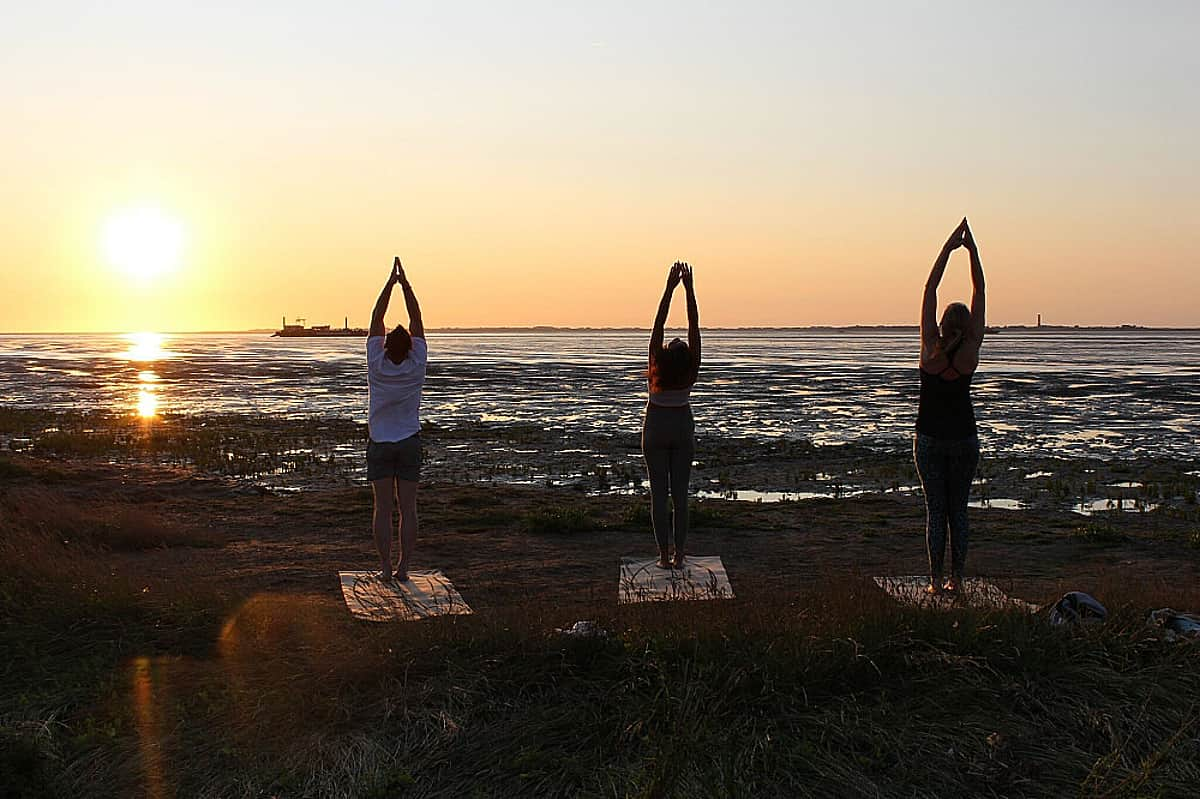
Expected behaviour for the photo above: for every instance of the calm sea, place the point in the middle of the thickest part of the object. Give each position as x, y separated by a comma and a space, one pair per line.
1127, 393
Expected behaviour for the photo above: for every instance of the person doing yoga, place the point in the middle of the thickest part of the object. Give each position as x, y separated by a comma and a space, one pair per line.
667, 432
946, 446
396, 363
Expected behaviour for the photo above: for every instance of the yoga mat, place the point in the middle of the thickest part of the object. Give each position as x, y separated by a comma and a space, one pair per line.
974, 592
425, 594
700, 578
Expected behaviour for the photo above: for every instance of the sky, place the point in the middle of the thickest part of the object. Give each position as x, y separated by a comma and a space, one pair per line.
545, 163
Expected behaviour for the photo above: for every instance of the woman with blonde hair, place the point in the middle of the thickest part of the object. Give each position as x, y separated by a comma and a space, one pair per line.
946, 446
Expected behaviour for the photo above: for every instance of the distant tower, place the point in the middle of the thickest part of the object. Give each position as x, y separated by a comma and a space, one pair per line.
1039, 320
284, 323
346, 326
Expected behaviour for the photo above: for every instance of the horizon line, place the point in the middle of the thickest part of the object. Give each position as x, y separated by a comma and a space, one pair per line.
622, 328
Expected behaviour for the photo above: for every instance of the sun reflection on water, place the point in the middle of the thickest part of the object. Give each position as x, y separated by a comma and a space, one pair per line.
147, 399
147, 404
145, 346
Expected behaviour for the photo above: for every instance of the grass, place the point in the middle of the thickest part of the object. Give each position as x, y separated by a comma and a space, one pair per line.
107, 525
236, 445
566, 520
832, 691
1098, 531
116, 685
10, 470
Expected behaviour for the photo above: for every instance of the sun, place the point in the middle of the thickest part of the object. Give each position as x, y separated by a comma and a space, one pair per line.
145, 242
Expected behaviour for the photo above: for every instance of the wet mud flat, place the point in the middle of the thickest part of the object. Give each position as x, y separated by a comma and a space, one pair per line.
289, 454
496, 539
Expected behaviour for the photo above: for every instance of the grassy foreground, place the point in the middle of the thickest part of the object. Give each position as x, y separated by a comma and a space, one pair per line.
117, 684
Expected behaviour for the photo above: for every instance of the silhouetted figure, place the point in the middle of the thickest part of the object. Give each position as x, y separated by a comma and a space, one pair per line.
395, 376
667, 432
946, 449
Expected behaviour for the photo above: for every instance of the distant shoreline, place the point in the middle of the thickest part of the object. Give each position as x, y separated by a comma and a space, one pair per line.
635, 329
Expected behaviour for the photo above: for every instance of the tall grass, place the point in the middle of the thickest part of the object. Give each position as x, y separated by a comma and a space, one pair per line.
106, 524
115, 686
834, 691
237, 445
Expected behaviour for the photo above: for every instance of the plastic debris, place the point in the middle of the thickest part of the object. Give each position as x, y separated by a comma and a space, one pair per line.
1176, 625
1077, 607
583, 629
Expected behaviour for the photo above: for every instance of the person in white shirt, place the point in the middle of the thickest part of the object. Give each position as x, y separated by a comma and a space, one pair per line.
395, 376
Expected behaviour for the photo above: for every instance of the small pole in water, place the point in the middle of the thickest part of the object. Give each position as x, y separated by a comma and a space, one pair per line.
1039, 320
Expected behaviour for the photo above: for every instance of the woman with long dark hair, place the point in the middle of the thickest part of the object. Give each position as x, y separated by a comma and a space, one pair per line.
667, 432
946, 448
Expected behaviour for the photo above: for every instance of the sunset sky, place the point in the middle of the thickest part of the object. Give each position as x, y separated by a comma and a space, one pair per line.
544, 163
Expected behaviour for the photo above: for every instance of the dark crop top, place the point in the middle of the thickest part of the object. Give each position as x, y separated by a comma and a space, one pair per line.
945, 410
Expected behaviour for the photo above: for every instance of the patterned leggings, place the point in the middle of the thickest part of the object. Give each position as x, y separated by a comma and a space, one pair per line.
946, 468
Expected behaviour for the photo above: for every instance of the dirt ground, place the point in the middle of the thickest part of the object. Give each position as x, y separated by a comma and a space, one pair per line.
487, 539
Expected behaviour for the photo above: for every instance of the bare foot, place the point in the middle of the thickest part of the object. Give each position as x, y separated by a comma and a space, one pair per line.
384, 577
677, 562
664, 559
952, 584
933, 587
402, 573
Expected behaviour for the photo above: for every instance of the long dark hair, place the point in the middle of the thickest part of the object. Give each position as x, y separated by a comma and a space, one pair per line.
397, 344
671, 367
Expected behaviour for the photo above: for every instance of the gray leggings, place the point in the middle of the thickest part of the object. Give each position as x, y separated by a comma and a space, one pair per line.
946, 468
668, 445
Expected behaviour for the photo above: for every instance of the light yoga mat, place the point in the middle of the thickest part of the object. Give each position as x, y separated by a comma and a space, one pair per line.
974, 593
425, 594
700, 578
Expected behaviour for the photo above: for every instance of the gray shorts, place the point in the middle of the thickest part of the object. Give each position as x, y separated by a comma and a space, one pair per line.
400, 459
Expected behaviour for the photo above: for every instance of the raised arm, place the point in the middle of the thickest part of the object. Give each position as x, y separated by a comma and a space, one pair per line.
929, 326
416, 327
377, 326
664, 307
978, 309
693, 317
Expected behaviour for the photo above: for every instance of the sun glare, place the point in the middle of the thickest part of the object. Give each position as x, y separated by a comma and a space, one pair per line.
147, 406
145, 347
147, 402
144, 242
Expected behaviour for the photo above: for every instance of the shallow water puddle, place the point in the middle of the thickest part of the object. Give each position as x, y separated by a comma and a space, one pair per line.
425, 594
998, 502
702, 577
974, 593
1092, 506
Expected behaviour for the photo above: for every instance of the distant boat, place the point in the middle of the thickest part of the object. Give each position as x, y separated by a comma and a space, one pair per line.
318, 331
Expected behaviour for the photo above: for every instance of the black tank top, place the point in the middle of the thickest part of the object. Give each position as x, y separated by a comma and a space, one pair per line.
945, 410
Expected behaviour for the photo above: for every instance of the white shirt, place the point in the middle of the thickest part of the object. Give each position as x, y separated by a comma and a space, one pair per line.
394, 390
